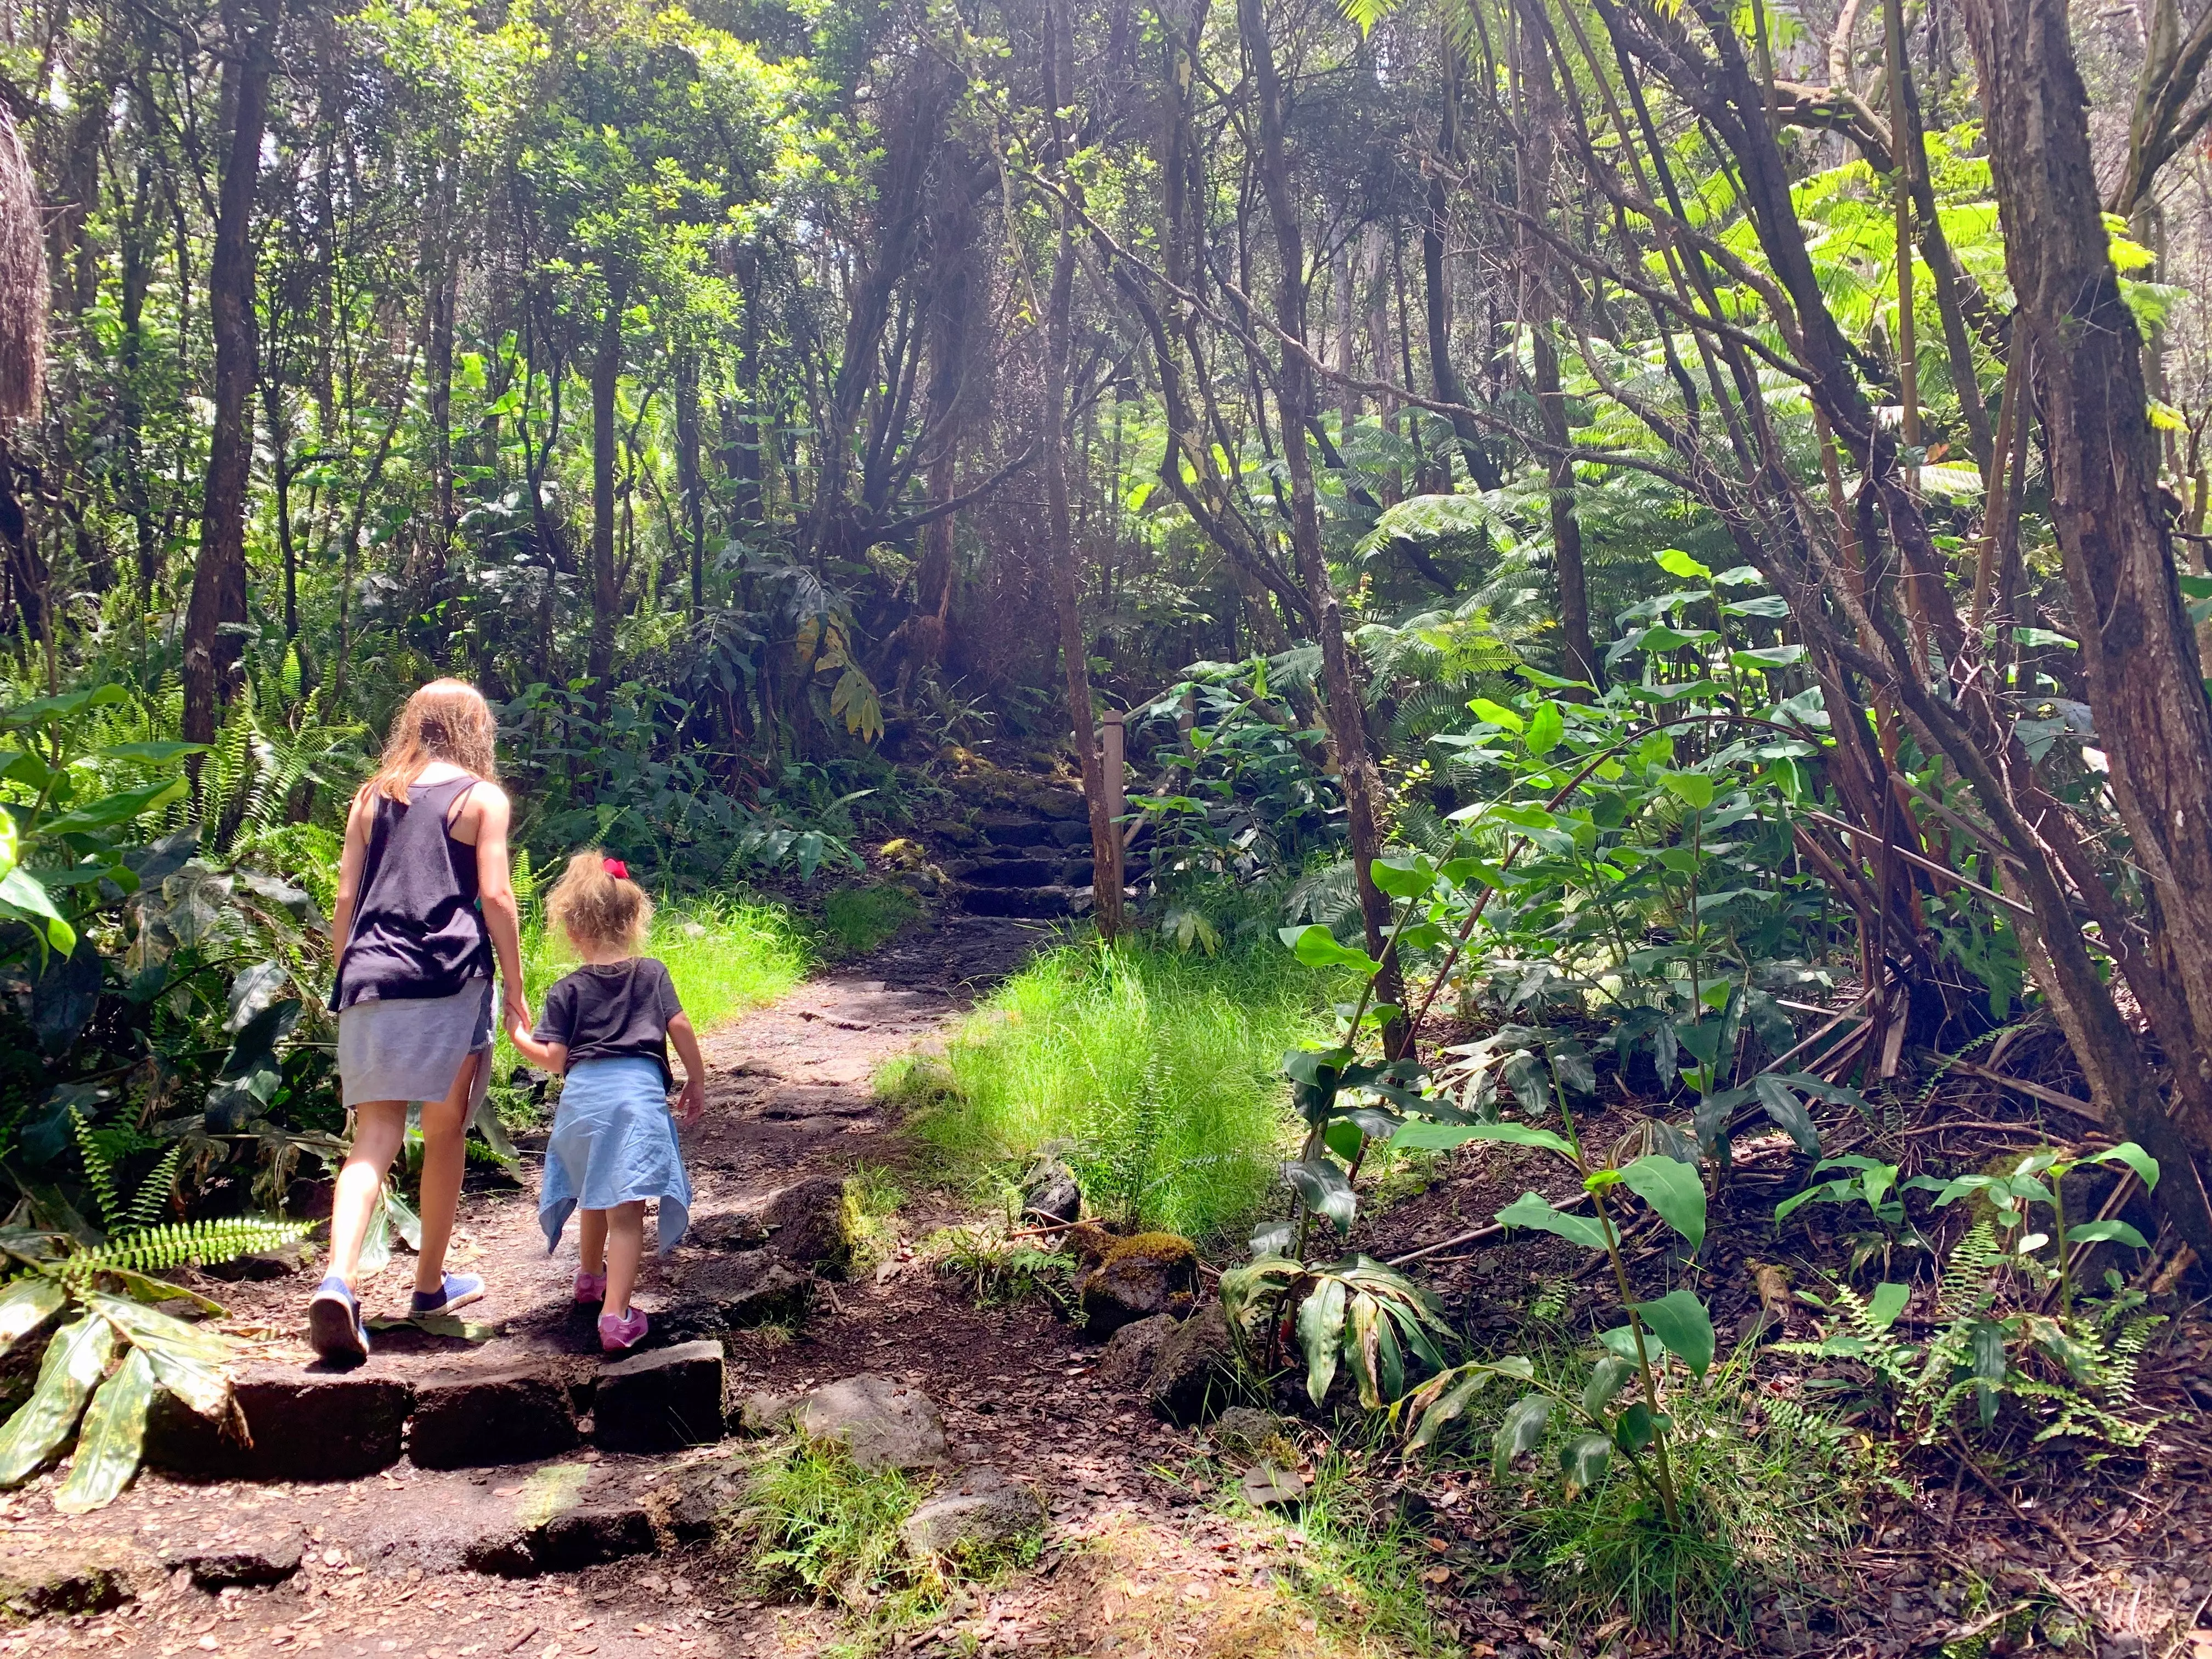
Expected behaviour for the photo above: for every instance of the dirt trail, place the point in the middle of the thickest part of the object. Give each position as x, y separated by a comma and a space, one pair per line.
383, 1573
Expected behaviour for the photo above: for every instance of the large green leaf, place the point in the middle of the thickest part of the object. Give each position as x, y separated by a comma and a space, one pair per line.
1534, 1210
187, 1360
113, 1438
2135, 1158
1607, 1379
1785, 1108
1321, 1334
1675, 1190
1316, 947
1683, 1326
1584, 1459
1520, 1431
1321, 1183
1440, 1137
76, 1359
26, 1305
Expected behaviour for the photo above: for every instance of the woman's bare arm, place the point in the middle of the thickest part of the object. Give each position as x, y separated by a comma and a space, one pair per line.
358, 818
496, 892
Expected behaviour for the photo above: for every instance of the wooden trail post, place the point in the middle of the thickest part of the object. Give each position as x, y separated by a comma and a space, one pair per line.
1115, 738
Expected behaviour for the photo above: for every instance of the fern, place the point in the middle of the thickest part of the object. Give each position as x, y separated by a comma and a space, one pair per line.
1966, 1276
99, 1171
157, 1249
153, 1193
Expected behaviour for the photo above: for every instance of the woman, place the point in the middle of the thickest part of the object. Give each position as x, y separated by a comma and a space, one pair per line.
425, 903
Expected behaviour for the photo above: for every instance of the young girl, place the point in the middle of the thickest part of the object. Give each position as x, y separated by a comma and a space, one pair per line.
606, 1026
425, 910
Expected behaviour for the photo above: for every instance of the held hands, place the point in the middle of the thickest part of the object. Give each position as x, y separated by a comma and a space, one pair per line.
691, 1101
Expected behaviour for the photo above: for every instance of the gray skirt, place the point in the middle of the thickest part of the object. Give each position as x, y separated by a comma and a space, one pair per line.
412, 1048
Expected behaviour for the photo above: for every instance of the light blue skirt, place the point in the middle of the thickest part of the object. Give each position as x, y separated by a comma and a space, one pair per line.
614, 1143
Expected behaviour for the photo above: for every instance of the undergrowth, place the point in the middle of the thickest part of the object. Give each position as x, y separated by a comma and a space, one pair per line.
1355, 1573
817, 1525
1160, 1071
1768, 1488
869, 1218
856, 920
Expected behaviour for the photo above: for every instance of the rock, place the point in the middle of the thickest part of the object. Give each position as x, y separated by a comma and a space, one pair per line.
593, 1533
265, 1558
466, 1419
1196, 1375
884, 1423
1051, 1195
980, 1509
733, 1293
71, 1578
806, 1223
690, 1507
1138, 1277
303, 1425
1264, 1485
1128, 1358
795, 1100
281, 1262
660, 1400
1243, 1431
1070, 834
738, 1230
765, 1414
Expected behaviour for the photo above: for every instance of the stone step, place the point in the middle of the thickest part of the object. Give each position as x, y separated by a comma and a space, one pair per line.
1012, 872
1034, 904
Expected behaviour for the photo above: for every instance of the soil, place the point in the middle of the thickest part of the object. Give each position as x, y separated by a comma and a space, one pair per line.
1139, 1558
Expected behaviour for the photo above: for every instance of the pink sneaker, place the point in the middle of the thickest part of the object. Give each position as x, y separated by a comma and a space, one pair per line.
617, 1335
591, 1287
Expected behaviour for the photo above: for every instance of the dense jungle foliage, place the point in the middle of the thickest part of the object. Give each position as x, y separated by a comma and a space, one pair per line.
1659, 547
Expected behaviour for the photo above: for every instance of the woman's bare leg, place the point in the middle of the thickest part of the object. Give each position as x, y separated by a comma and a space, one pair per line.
445, 1122
379, 1126
592, 1240
625, 1226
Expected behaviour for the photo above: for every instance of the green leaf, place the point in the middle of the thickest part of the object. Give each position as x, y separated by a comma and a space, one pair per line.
1521, 1431
112, 1439
26, 1305
1675, 1190
1683, 1326
74, 1360
1320, 1182
23, 898
119, 808
1695, 788
1776, 1098
1441, 1137
2135, 1158
2091, 1232
1887, 1302
1321, 1334
1676, 562
1404, 878
187, 1360
1497, 714
1635, 1428
1584, 1459
1620, 1340
1534, 1210
1607, 1379
1548, 728
1316, 947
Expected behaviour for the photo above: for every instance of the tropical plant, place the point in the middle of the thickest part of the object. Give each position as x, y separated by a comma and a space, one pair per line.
1353, 1313
1871, 1182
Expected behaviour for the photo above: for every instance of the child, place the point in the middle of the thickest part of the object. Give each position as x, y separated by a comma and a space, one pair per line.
606, 1026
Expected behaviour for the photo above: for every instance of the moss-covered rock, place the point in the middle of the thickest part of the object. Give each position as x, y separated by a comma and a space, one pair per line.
1135, 1278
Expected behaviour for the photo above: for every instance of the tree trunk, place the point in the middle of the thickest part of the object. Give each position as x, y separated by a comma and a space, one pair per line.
219, 598
606, 590
687, 476
1060, 553
1436, 284
441, 284
1294, 395
2138, 652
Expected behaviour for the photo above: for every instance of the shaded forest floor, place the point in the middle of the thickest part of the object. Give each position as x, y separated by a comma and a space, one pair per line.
1147, 1550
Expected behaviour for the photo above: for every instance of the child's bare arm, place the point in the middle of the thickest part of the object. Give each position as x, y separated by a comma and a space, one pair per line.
693, 1100
546, 1056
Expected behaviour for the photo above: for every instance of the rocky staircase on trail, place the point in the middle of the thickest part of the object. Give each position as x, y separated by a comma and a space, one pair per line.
1023, 847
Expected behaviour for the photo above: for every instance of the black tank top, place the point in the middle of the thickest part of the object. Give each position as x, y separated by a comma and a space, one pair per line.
417, 929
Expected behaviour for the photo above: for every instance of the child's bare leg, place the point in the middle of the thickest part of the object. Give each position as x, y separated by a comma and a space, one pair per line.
625, 1243
591, 1242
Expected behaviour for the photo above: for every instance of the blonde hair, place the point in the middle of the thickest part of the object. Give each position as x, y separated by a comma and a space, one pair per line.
446, 719
594, 907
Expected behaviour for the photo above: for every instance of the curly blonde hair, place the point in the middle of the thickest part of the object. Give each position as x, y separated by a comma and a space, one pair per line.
446, 719
595, 906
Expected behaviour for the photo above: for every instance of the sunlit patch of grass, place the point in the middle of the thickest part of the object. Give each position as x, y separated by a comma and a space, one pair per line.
856, 920
869, 1218
1158, 1072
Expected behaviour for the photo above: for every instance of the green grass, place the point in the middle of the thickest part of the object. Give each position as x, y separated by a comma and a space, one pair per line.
1355, 1573
856, 920
1158, 1072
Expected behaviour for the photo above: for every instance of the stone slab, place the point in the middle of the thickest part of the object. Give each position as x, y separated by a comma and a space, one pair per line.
304, 1425
471, 1418
264, 1558
661, 1400
733, 1293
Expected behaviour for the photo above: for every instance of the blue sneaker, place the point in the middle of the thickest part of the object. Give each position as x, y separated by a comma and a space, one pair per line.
334, 1327
457, 1291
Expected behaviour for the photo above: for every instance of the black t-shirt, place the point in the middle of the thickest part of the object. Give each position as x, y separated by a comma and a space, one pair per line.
614, 1010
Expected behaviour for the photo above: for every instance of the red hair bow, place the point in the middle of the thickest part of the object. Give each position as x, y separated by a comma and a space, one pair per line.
616, 868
